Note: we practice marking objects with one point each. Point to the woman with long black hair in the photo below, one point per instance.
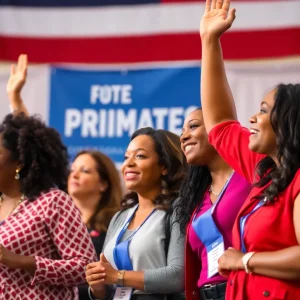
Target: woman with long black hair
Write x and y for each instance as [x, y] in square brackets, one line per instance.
[265, 259]
[210, 198]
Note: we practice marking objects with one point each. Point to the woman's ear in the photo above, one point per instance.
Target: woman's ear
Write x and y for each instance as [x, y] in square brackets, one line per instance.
[103, 186]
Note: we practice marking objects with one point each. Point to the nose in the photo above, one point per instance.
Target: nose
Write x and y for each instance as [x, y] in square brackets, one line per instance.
[129, 162]
[74, 174]
[253, 119]
[184, 136]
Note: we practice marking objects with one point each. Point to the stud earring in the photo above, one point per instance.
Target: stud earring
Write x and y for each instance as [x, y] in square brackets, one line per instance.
[17, 176]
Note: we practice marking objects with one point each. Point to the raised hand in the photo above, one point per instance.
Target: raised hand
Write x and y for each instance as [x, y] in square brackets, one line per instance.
[18, 75]
[217, 18]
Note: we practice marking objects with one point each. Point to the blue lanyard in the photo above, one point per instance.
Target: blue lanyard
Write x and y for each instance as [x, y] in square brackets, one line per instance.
[204, 226]
[244, 219]
[127, 224]
[121, 249]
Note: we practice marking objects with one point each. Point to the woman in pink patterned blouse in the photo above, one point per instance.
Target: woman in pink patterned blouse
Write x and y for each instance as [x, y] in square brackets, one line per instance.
[44, 245]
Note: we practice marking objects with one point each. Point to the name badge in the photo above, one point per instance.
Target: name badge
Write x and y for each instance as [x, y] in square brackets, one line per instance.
[214, 252]
[123, 293]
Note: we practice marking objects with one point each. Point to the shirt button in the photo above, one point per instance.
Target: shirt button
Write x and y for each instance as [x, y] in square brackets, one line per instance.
[266, 293]
[231, 282]
[194, 293]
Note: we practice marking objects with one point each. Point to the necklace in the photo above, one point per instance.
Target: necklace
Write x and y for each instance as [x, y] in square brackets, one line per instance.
[218, 194]
[16, 205]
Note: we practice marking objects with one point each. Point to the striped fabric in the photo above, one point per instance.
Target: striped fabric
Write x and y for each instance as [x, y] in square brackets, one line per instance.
[130, 31]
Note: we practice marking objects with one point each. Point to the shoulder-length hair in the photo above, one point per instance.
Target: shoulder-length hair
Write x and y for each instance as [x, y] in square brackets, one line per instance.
[167, 147]
[109, 201]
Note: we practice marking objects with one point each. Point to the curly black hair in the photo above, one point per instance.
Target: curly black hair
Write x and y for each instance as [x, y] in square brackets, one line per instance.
[285, 120]
[39, 151]
[167, 146]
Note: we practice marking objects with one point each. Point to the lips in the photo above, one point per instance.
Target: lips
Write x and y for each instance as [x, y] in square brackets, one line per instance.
[129, 175]
[73, 183]
[253, 131]
[188, 147]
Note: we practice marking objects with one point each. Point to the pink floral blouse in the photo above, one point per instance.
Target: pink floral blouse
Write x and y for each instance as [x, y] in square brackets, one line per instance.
[51, 230]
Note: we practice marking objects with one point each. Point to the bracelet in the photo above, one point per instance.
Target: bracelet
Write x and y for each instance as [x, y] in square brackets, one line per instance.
[245, 260]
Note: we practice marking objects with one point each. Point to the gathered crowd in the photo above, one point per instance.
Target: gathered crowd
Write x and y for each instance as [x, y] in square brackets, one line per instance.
[212, 214]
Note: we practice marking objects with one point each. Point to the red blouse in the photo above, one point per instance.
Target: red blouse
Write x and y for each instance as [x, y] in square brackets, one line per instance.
[51, 229]
[270, 228]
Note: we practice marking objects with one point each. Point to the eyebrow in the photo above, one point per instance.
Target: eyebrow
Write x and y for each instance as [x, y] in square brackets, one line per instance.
[264, 103]
[137, 149]
[194, 120]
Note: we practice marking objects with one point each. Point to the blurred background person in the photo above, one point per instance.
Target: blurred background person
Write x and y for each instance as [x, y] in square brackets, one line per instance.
[94, 185]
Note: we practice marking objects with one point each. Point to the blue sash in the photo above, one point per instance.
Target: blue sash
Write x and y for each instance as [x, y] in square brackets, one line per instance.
[121, 250]
[245, 218]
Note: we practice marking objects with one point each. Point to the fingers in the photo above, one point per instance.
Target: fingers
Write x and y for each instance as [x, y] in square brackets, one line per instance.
[226, 5]
[95, 270]
[213, 4]
[92, 265]
[93, 284]
[22, 62]
[219, 4]
[231, 16]
[12, 69]
[103, 258]
[207, 5]
[95, 277]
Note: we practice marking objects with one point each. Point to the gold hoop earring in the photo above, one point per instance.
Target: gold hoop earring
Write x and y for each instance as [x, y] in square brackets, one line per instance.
[17, 176]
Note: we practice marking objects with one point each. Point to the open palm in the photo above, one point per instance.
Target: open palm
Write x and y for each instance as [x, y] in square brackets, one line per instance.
[217, 17]
[18, 75]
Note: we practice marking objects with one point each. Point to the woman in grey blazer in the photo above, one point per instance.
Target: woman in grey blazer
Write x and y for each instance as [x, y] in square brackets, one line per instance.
[142, 257]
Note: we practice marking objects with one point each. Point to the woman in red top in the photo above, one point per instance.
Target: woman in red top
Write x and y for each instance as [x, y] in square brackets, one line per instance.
[265, 259]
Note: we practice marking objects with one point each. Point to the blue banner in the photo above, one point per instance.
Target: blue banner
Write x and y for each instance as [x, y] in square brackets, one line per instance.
[101, 109]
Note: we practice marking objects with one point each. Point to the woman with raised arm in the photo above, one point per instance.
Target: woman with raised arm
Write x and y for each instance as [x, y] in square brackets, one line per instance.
[93, 181]
[265, 259]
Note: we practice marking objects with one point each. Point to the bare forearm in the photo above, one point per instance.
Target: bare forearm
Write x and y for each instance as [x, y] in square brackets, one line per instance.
[17, 104]
[26, 263]
[216, 97]
[282, 264]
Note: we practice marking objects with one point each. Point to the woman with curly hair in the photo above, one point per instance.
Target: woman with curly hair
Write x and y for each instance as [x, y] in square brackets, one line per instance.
[210, 189]
[265, 259]
[93, 181]
[135, 256]
[44, 244]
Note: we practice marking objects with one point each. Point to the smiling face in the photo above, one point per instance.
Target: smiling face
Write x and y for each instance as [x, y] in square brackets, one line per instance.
[194, 140]
[263, 138]
[84, 179]
[141, 169]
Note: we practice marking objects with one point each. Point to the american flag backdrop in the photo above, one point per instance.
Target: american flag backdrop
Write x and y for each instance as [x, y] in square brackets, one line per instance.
[129, 31]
